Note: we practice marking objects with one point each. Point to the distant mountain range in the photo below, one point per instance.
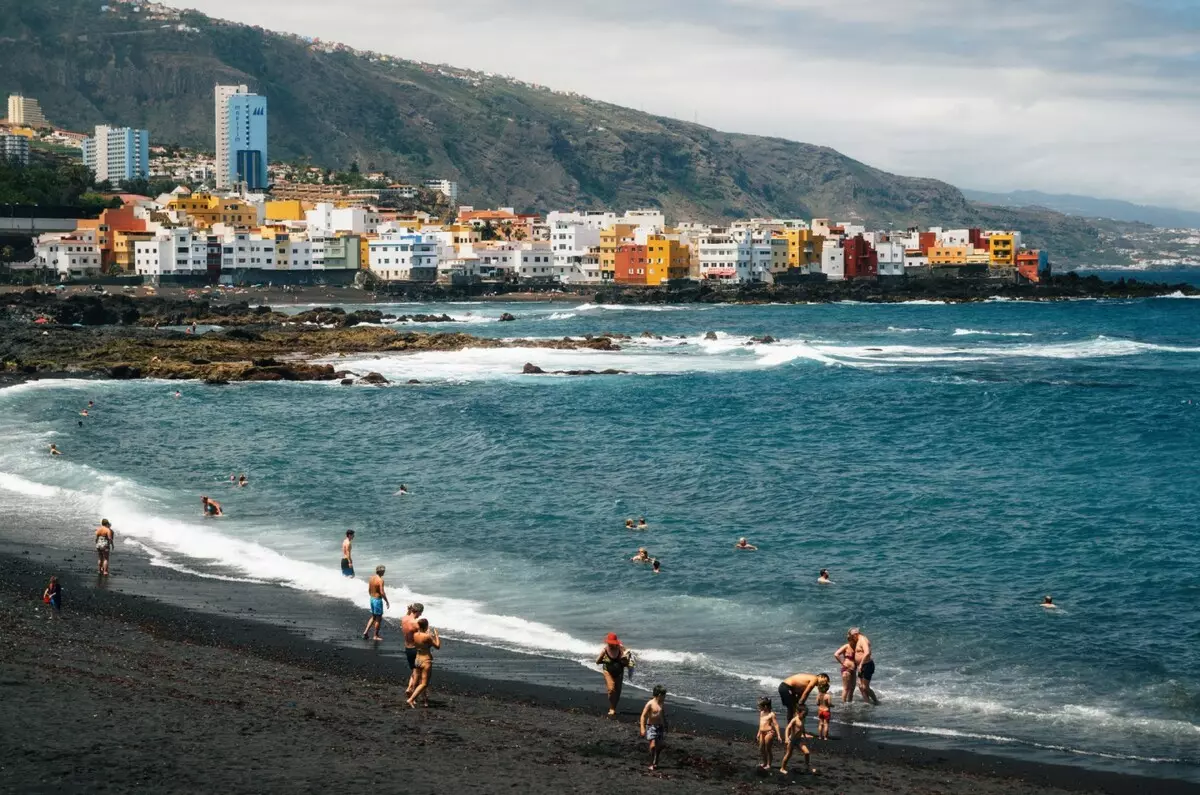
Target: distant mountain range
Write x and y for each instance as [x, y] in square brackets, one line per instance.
[506, 142]
[1088, 207]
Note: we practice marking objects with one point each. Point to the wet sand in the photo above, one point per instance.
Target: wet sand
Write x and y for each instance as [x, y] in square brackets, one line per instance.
[212, 685]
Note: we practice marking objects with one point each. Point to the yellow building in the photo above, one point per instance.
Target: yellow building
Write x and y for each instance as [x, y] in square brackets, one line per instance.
[804, 247]
[123, 245]
[949, 255]
[611, 239]
[779, 254]
[285, 210]
[1003, 250]
[666, 259]
[205, 210]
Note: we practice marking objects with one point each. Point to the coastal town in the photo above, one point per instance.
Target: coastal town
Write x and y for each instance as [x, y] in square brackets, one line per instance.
[248, 221]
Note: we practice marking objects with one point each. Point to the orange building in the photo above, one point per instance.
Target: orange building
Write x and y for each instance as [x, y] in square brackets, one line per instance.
[666, 259]
[205, 210]
[612, 239]
[109, 227]
[630, 265]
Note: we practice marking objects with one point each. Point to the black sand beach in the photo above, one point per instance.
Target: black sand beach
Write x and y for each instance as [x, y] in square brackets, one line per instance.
[195, 691]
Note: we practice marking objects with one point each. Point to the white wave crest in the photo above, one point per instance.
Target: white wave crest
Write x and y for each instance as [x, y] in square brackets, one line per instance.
[968, 332]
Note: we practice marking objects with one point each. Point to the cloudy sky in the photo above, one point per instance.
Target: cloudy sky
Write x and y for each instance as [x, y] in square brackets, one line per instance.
[1100, 97]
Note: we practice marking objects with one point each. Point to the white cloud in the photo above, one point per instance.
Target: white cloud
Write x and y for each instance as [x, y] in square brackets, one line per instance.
[991, 94]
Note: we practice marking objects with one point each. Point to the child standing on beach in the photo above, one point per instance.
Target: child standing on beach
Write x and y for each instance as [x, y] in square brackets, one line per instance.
[824, 710]
[653, 723]
[53, 596]
[768, 732]
[795, 737]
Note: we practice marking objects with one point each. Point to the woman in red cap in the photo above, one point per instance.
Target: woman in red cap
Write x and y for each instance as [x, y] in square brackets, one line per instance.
[613, 660]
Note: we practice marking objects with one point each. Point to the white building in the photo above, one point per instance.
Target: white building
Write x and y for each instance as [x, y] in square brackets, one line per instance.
[221, 95]
[891, 257]
[955, 237]
[14, 148]
[570, 244]
[733, 257]
[71, 255]
[833, 261]
[445, 187]
[178, 251]
[400, 256]
[325, 220]
[117, 154]
[597, 219]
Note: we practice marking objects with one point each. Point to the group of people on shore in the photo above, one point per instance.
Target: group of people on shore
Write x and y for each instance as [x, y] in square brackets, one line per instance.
[858, 666]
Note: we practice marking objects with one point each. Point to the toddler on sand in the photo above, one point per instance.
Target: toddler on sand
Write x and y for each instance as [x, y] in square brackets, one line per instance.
[768, 731]
[824, 711]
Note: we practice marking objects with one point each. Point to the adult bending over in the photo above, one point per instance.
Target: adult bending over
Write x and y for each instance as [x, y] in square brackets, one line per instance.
[613, 660]
[864, 663]
[794, 690]
[426, 641]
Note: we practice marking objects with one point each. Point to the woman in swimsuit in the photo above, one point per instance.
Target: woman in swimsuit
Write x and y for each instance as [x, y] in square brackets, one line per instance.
[845, 657]
[613, 661]
[425, 641]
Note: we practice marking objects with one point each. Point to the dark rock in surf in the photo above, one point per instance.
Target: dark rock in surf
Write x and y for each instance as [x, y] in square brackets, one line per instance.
[374, 378]
[532, 369]
[506, 317]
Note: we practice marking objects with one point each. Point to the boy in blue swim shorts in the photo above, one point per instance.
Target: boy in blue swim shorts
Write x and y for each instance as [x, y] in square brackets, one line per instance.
[379, 598]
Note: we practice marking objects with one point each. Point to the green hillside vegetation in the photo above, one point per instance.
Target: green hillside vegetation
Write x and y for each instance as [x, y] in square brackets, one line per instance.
[506, 143]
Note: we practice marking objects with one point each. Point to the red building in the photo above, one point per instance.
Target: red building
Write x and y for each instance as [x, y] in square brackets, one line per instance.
[926, 241]
[977, 239]
[630, 265]
[861, 259]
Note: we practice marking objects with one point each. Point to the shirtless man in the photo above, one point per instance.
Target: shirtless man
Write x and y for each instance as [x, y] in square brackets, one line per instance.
[54, 450]
[105, 539]
[408, 626]
[642, 556]
[378, 599]
[742, 544]
[347, 559]
[210, 507]
[653, 723]
[795, 689]
[864, 663]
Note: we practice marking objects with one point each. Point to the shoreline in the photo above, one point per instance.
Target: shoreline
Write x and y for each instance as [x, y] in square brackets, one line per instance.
[261, 622]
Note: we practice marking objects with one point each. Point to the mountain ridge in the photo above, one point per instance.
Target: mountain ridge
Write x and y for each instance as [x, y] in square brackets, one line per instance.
[507, 143]
[1090, 207]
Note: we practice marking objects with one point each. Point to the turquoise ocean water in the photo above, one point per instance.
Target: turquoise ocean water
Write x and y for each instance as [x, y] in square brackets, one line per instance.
[948, 464]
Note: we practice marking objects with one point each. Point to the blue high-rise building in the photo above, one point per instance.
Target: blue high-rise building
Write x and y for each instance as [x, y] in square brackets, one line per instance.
[247, 136]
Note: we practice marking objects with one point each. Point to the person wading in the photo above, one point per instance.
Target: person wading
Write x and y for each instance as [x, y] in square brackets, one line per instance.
[613, 660]
[105, 540]
[864, 662]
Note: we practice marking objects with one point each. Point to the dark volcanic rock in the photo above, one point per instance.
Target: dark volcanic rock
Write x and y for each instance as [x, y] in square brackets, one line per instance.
[712, 335]
[374, 378]
[124, 371]
[262, 363]
[532, 369]
[506, 317]
[413, 381]
[766, 339]
[347, 381]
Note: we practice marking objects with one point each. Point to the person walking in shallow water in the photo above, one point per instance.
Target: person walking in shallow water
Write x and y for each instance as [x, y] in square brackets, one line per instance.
[864, 662]
[347, 557]
[105, 540]
[613, 660]
[378, 594]
[845, 657]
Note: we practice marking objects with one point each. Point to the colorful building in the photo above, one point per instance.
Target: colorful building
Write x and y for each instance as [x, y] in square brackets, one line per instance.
[205, 210]
[284, 210]
[803, 249]
[630, 264]
[666, 259]
[948, 255]
[1002, 249]
[1033, 265]
[861, 259]
[611, 239]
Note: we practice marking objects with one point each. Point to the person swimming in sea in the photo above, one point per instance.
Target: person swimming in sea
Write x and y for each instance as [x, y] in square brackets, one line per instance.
[241, 481]
[178, 393]
[628, 524]
[402, 491]
[823, 578]
[210, 507]
[655, 566]
[642, 556]
[1048, 603]
[742, 544]
[641, 525]
[54, 450]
